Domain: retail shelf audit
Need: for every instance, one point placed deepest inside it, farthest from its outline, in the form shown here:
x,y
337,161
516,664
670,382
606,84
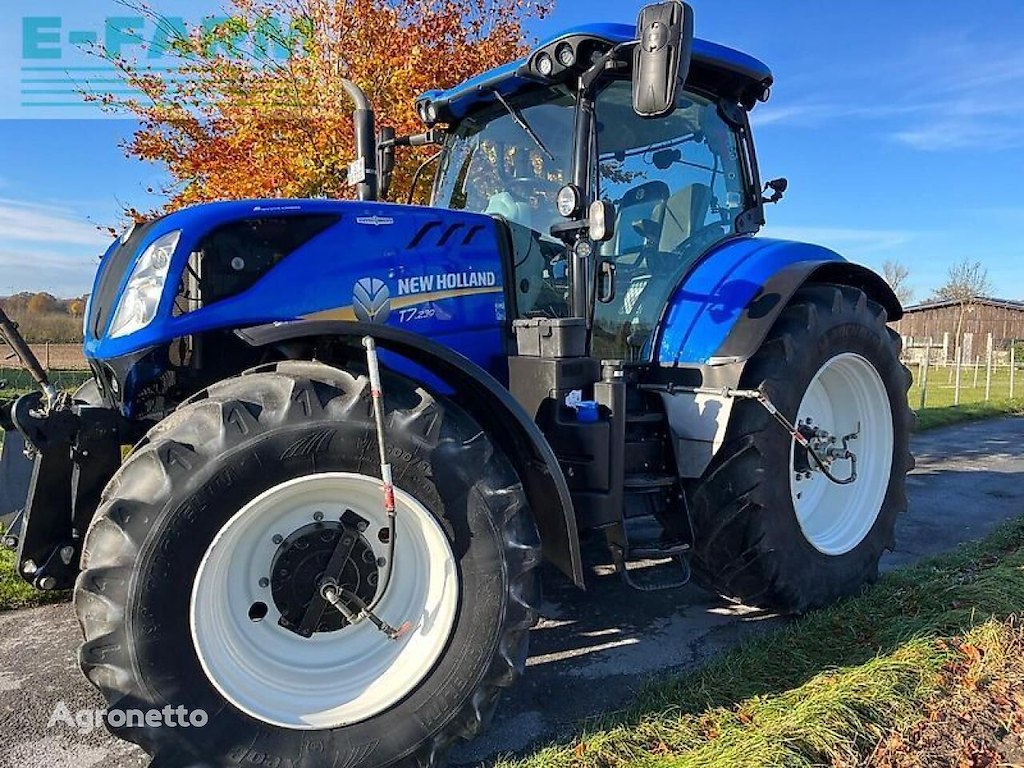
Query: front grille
x,y
112,271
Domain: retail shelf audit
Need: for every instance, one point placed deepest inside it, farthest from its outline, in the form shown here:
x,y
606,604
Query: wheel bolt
x,y
278,538
318,516
264,582
381,562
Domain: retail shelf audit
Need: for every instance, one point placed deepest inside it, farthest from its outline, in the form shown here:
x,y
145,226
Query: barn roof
x,y
984,301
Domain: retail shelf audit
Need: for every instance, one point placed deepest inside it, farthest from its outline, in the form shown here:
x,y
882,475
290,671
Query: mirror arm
x,y
609,62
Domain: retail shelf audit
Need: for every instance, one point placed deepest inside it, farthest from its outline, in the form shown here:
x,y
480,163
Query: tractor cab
x,y
538,142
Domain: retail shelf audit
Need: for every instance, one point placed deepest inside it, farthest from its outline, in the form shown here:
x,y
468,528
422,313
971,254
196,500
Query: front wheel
x,y
774,529
203,573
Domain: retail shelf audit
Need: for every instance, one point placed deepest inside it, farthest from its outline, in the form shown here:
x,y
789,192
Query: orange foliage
x,y
237,121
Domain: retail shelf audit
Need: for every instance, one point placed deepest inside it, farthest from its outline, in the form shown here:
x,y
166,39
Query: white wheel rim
x,y
847,392
336,678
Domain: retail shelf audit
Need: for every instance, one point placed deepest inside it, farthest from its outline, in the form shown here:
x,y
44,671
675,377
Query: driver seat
x,y
682,214
684,209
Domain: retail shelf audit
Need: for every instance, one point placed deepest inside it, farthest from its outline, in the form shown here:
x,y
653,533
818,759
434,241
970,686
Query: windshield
x,y
493,165
509,160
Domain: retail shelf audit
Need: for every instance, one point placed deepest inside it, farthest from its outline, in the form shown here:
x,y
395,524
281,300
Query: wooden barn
x,y
937,323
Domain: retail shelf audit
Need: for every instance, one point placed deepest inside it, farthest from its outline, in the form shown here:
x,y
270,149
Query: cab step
x,y
638,544
648,483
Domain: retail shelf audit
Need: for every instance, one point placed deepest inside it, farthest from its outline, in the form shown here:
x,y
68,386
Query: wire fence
x,y
64,363
974,371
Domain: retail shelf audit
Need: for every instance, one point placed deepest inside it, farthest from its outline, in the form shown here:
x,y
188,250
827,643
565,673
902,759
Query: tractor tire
x,y
211,542
767,536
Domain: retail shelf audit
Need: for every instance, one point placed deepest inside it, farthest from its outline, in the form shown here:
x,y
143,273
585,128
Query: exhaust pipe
x,y
366,139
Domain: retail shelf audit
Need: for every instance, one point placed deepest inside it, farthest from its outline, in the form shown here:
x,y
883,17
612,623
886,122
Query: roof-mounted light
x,y
566,55
545,64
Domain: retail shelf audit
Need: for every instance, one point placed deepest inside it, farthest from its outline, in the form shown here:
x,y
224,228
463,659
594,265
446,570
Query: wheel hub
x,y
299,572
327,679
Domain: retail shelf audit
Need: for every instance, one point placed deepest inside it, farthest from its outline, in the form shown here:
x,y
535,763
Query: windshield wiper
x,y
521,122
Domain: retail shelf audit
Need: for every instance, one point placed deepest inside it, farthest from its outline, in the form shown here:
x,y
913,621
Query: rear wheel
x,y
202,573
771,528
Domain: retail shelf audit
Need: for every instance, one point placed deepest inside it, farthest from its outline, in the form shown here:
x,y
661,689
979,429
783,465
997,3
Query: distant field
x,y
62,357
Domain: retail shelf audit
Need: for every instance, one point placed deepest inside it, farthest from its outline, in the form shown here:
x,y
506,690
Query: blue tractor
x,y
360,427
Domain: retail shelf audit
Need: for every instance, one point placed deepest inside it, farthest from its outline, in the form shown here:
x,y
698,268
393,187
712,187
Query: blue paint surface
x,y
706,307
322,274
506,79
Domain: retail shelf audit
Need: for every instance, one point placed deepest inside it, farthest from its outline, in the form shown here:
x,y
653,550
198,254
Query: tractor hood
x,y
225,266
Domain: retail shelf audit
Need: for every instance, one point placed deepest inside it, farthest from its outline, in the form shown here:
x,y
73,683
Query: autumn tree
x,y
41,304
896,275
254,105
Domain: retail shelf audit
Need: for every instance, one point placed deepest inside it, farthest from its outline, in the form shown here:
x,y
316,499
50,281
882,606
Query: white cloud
x,y
25,222
967,98
34,270
47,248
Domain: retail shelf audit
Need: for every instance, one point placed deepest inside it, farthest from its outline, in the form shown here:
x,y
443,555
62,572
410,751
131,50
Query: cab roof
x,y
718,68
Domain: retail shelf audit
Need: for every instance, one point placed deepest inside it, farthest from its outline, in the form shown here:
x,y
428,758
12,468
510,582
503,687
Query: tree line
x,y
966,280
42,317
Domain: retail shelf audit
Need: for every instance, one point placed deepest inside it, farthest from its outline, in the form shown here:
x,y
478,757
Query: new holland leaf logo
x,y
371,300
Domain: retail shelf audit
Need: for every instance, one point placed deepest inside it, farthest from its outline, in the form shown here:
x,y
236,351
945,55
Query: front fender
x,y
728,303
482,397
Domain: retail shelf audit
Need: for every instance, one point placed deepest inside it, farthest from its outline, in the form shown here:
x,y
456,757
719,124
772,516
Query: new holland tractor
x,y
360,427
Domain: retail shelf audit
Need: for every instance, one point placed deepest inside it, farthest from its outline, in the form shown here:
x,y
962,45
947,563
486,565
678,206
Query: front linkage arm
x,y
75,449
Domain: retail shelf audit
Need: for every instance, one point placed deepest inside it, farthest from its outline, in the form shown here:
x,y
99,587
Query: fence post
x,y
1013,364
977,370
924,373
47,366
988,370
959,375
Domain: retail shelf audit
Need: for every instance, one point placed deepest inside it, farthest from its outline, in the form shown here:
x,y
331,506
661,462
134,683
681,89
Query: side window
x,y
677,184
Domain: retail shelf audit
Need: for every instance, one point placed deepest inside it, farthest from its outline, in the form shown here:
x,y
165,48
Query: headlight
x,y
141,296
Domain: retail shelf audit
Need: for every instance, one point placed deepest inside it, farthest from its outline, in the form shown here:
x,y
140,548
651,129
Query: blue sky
x,y
899,124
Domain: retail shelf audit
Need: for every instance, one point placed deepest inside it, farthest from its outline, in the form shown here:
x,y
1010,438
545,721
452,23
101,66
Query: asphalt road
x,y
590,652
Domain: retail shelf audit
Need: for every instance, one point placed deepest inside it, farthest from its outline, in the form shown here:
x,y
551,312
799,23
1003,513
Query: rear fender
x,y
718,319
483,398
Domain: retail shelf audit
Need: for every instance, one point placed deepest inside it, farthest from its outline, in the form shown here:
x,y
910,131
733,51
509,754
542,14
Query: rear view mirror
x,y
662,59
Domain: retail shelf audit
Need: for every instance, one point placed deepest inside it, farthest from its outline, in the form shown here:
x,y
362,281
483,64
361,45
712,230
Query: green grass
x,y
939,410
826,689
17,381
944,416
941,390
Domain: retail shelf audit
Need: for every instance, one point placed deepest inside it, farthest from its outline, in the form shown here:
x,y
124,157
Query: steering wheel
x,y
530,188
